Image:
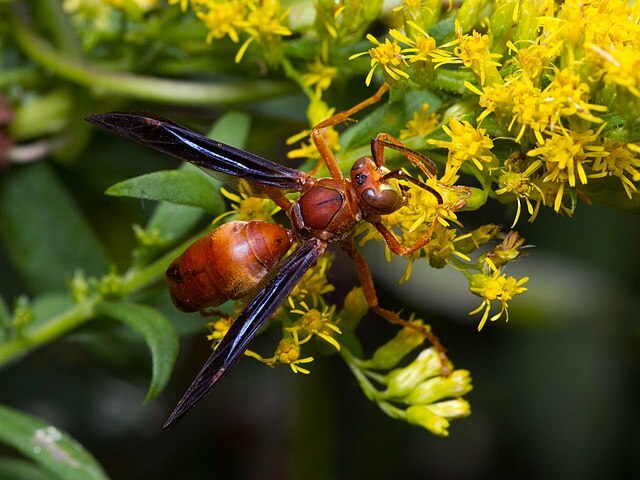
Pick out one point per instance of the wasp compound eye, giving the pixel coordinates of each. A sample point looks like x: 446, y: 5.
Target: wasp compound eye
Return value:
x: 382, y: 202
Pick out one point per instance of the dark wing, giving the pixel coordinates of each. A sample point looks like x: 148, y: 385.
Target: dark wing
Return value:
x: 248, y: 324
x: 224, y: 162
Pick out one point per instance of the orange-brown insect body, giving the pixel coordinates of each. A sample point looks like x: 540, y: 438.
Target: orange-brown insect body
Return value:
x: 226, y: 264
x: 327, y: 209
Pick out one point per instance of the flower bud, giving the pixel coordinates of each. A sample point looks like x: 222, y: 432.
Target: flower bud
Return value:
x: 389, y: 355
x: 422, y: 416
x: 437, y: 388
x: 402, y: 380
x: 457, y: 408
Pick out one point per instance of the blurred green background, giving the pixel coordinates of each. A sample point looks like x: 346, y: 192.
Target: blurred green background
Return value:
x: 556, y: 389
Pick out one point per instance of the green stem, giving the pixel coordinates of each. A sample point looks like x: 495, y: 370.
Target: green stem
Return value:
x: 84, y: 311
x: 367, y: 387
x: 174, y: 92
x: 136, y: 279
x: 18, y: 76
x: 54, y: 328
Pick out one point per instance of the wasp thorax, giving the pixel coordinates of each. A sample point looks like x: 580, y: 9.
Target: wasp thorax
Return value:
x: 374, y: 194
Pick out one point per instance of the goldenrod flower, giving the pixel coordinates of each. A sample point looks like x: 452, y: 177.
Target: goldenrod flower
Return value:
x: 467, y: 144
x: 248, y: 208
x: 475, y: 54
x: 222, y: 18
x: 565, y: 155
x: 423, y: 53
x: 287, y: 353
x: 319, y: 75
x: 387, y: 55
x: 495, y: 287
x: 316, y: 323
x: 422, y: 123
x: 522, y: 184
x: 218, y: 329
x: 314, y: 283
x: 622, y: 161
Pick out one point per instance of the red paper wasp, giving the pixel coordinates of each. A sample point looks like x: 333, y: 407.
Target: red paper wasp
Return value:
x: 243, y: 259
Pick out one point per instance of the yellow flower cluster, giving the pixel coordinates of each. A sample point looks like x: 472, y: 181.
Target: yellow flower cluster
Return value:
x: 262, y: 21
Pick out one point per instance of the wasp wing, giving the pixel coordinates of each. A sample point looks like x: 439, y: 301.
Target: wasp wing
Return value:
x: 259, y: 309
x: 237, y: 168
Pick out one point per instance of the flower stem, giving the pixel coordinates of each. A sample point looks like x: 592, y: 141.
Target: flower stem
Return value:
x: 82, y: 312
x: 161, y: 90
x: 54, y: 328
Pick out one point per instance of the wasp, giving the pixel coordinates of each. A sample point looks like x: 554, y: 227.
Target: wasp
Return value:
x: 249, y: 259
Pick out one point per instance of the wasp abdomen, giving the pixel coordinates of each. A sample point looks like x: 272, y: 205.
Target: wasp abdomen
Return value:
x: 226, y: 264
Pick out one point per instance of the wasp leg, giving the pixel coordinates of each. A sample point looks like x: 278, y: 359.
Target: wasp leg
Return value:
x: 318, y: 138
x: 396, y: 247
x: 424, y: 163
x: 366, y: 280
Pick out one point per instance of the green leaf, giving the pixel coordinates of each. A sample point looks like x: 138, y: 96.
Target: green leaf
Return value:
x: 184, y: 187
x: 54, y: 450
x: 173, y: 220
x: 232, y: 129
x: 388, y: 118
x: 18, y: 469
x: 44, y: 233
x: 157, y: 331
x: 47, y: 306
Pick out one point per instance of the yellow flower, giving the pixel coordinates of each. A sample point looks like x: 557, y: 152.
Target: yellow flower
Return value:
x: 218, y: 329
x: 531, y: 60
x: 467, y: 144
x: 621, y: 66
x: 222, y: 18
x: 495, y: 287
x: 565, y: 155
x: 316, y: 322
x: 421, y: 123
x: 320, y: 75
x: 474, y: 53
x: 387, y: 55
x: 622, y: 161
x: 287, y: 353
x: 521, y: 184
x: 248, y: 207
x: 423, y: 52
x: 314, y: 283
x: 567, y: 95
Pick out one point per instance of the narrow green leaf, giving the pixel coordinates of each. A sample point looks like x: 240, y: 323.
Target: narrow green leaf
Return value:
x: 184, y: 187
x: 18, y: 469
x: 157, y: 331
x: 54, y: 450
x: 42, y: 230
